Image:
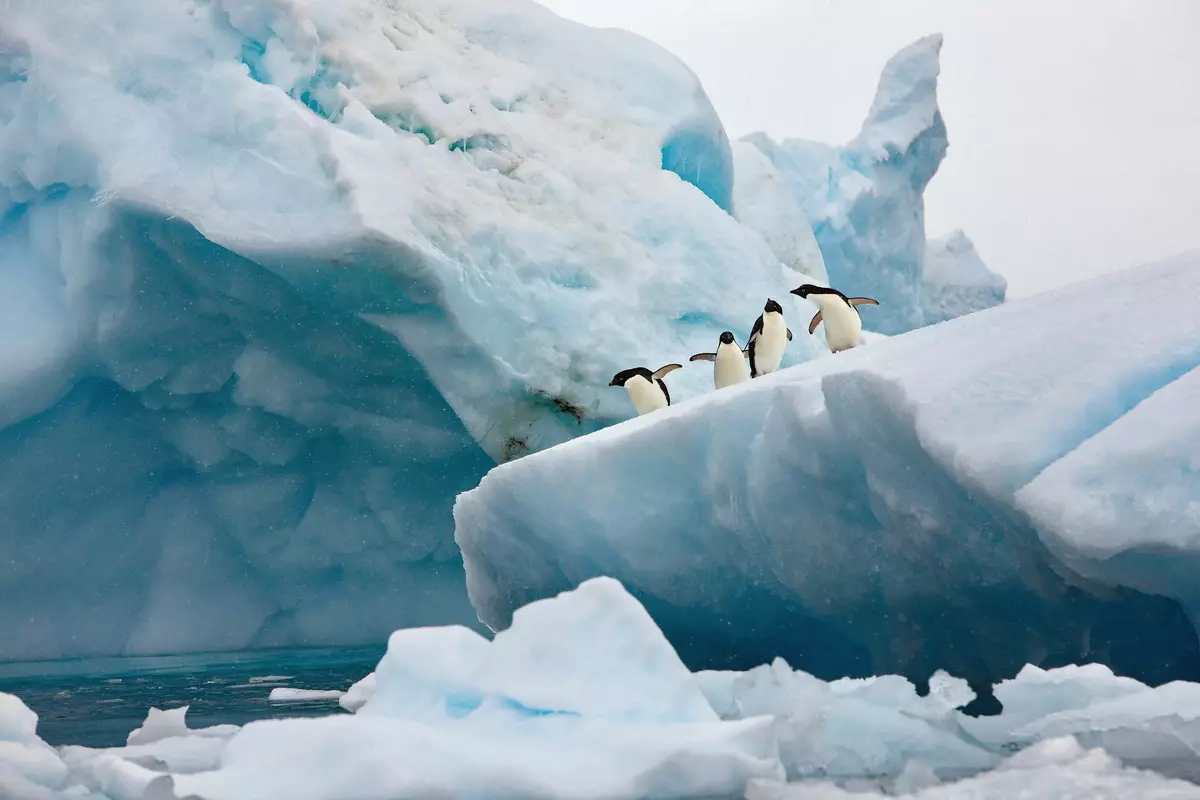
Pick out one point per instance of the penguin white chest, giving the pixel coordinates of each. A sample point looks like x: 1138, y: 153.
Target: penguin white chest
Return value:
x: 645, y: 394
x: 770, y: 344
x: 842, y: 324
x: 730, y: 367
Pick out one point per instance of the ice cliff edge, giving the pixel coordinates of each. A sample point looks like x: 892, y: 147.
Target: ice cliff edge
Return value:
x: 1015, y: 486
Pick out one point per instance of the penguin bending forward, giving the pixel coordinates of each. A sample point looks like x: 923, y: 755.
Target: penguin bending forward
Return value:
x: 729, y: 362
x: 646, y: 389
x: 839, y: 313
x: 768, y: 340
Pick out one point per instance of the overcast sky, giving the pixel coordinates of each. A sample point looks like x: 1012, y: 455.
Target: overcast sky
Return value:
x: 1074, y: 125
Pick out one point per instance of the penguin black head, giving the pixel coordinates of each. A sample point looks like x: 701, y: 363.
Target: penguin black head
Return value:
x: 727, y: 337
x: 806, y: 289
x: 624, y: 375
x: 773, y: 306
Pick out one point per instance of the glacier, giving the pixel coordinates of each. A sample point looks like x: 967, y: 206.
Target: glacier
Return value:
x: 1017, y: 486
x: 865, y: 202
x: 583, y: 697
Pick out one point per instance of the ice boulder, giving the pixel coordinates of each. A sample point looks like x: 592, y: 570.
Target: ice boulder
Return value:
x: 278, y: 280
x: 865, y: 201
x: 1005, y: 488
x: 583, y: 697
x: 593, y: 652
x: 29, y: 768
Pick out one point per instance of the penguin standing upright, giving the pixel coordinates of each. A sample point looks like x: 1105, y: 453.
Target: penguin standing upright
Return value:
x: 646, y: 389
x: 839, y: 313
x: 768, y: 340
x: 729, y: 362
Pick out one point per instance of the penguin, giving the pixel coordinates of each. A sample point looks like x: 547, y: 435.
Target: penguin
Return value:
x: 768, y: 340
x: 729, y: 362
x: 646, y: 389
x: 838, y: 312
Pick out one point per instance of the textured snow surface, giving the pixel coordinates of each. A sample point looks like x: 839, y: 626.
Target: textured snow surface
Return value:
x: 279, y: 279
x: 583, y: 697
x: 1017, y: 486
x: 865, y: 201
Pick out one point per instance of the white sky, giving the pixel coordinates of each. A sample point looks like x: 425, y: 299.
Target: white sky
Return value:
x: 1074, y: 124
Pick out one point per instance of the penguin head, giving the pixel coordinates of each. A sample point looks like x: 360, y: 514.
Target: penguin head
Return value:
x: 624, y: 375
x: 805, y: 290
x: 727, y: 337
x: 772, y: 306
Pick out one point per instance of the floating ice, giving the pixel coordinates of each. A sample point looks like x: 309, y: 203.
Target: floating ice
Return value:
x: 956, y: 498
x: 284, y: 694
x: 1051, y: 770
x: 29, y: 768
x: 584, y: 698
x: 865, y: 201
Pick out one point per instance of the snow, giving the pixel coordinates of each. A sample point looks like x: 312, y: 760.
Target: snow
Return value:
x: 865, y: 201
x: 583, y: 697
x: 955, y: 498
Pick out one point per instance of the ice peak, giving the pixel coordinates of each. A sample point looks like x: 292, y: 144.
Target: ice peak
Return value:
x: 905, y: 104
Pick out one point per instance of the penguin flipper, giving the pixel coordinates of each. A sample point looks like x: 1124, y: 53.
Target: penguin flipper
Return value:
x: 812, y: 326
x: 863, y: 301
x: 667, y: 370
x: 704, y: 357
x: 757, y: 329
x: 789, y: 330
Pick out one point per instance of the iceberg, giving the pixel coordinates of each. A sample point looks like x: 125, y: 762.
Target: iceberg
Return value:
x: 1012, y: 487
x: 584, y: 697
x: 865, y: 201
x: 279, y: 280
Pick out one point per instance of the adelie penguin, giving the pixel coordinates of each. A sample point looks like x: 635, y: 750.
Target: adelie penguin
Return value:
x: 729, y: 362
x: 768, y: 340
x: 646, y: 389
x: 838, y: 312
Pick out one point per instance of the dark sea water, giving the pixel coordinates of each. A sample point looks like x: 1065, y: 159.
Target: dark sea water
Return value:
x: 97, y: 702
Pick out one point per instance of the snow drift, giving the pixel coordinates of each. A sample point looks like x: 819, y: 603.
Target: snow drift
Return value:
x: 1017, y: 486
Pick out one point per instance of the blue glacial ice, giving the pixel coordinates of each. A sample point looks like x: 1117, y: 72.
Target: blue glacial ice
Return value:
x: 1015, y: 486
x: 278, y: 280
x: 865, y: 201
x: 583, y: 697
